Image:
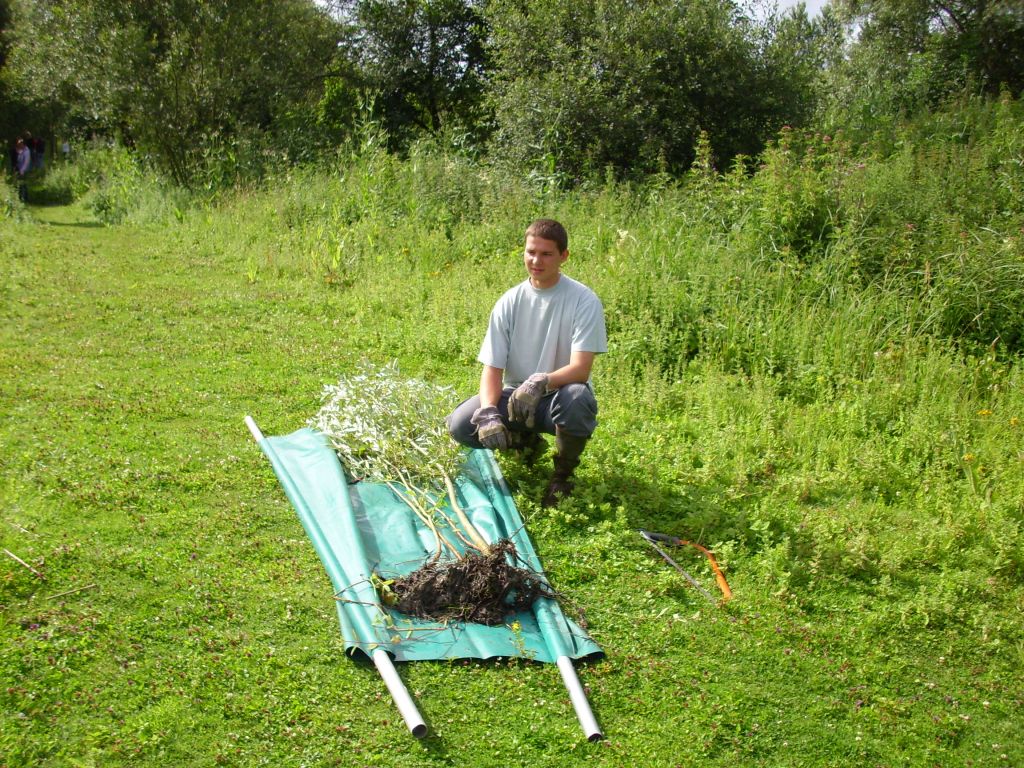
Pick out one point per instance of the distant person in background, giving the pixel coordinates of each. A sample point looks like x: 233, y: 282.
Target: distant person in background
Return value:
x: 39, y: 155
x: 65, y: 150
x: 30, y: 142
x: 22, y: 165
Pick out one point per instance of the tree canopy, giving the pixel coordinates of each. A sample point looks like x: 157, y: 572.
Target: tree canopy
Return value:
x: 208, y: 90
x: 174, y: 77
x: 908, y: 54
x: 424, y: 60
x: 632, y: 83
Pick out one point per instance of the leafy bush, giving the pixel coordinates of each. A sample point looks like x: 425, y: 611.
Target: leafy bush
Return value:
x: 798, y: 184
x: 10, y: 206
x: 939, y: 219
x: 630, y: 85
x: 117, y: 185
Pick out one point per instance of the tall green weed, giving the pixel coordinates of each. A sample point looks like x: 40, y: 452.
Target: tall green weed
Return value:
x: 117, y: 186
x: 931, y: 212
x: 10, y: 205
x: 798, y: 187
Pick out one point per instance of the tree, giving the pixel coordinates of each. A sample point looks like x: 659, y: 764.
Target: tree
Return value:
x: 630, y: 83
x: 18, y: 114
x: 5, y: 20
x: 916, y: 52
x: 6, y: 112
x: 798, y: 50
x: 424, y: 61
x: 176, y: 77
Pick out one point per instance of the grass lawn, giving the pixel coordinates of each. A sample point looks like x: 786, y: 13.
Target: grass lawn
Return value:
x: 170, y: 610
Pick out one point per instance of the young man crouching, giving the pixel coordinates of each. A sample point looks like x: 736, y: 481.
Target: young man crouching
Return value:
x: 537, y: 355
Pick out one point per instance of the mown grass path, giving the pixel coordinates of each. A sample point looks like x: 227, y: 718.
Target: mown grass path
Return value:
x: 130, y: 358
x: 182, y: 618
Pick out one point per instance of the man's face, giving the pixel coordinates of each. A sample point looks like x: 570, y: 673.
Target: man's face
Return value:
x: 543, y: 261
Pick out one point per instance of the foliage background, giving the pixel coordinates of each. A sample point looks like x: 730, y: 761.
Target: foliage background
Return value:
x: 848, y: 445
x: 814, y: 302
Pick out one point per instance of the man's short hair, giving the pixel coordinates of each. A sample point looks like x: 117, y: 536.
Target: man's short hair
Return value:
x: 549, y: 229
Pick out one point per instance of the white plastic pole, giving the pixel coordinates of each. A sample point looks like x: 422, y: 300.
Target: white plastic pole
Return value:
x: 406, y: 706
x: 579, y: 699
x: 253, y: 429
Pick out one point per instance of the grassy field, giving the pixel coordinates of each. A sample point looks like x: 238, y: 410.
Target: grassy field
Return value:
x: 862, y: 483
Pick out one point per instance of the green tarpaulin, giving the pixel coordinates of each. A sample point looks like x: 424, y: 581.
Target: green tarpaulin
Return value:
x: 362, y: 528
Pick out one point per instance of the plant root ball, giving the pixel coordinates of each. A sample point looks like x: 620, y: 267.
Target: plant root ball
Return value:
x: 479, y: 588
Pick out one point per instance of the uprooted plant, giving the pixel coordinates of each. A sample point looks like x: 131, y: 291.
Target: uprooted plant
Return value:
x: 391, y: 430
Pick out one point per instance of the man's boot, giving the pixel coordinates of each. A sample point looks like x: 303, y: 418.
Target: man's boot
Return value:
x: 530, y: 446
x: 568, y: 449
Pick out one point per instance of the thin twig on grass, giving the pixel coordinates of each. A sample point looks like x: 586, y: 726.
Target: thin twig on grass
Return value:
x: 22, y: 529
x: 18, y: 559
x: 71, y: 591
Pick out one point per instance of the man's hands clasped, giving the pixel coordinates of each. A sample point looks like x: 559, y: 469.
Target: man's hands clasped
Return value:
x: 490, y: 429
x: 522, y: 405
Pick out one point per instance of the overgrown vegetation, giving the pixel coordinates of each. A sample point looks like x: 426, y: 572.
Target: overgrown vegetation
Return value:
x: 10, y: 206
x: 815, y: 369
x: 185, y: 83
x: 118, y: 186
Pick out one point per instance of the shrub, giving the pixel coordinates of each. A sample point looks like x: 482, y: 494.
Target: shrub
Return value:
x: 117, y: 185
x: 799, y: 185
x: 10, y: 206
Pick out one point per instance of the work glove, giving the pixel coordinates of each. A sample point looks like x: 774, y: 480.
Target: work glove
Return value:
x: 522, y: 405
x: 490, y: 429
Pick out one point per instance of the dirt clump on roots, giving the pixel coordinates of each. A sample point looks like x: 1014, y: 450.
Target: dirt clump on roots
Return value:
x: 479, y: 588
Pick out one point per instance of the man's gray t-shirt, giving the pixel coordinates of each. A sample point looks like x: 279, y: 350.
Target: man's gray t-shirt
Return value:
x: 534, y: 330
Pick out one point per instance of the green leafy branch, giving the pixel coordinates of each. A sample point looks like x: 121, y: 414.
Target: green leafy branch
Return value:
x: 391, y: 429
